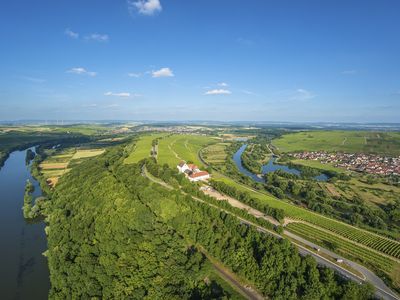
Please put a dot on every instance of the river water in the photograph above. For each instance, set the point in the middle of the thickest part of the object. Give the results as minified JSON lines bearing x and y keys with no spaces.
{"x":23,"y":269}
{"x":271,"y":166}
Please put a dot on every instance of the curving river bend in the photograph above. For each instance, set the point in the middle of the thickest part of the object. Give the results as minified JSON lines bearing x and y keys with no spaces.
{"x":23,"y":269}
{"x":271,"y":166}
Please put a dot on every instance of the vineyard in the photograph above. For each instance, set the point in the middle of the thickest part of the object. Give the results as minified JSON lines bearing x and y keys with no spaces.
{"x":175,"y":148}
{"x":344,"y":247}
{"x":369,"y":239}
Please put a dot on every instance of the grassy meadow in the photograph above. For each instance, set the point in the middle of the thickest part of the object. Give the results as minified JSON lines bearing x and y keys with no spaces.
{"x":173,"y":149}
{"x":142,"y":148}
{"x":386,"y":143}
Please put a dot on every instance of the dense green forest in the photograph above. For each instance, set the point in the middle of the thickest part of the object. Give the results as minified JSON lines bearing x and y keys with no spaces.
{"x":112,"y":234}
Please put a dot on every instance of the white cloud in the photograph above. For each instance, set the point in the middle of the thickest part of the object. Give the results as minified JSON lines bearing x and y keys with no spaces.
{"x":302,"y":94}
{"x":223,"y":84}
{"x":135,"y":75}
{"x":218,"y":92}
{"x":248,"y":92}
{"x":71,"y":34}
{"x":163,"y":72}
{"x":145,"y":7}
{"x":97,"y":37}
{"x":349,"y":72}
{"x":32,"y":79}
{"x":122,"y":95}
{"x":81,"y":71}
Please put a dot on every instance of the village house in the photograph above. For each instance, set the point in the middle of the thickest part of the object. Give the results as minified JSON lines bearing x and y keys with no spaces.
{"x":192,"y":172}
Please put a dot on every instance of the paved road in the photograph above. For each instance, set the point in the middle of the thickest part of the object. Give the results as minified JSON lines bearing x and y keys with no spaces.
{"x":382,"y":291}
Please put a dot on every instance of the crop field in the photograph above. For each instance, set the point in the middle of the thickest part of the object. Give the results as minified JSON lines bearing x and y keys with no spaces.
{"x":59,"y":163}
{"x":87,"y":153}
{"x":53,"y":166}
{"x":142,"y":148}
{"x":318,"y":165}
{"x":387,"y":143}
{"x":215,"y":154}
{"x":344,"y":247}
{"x":173,"y":149}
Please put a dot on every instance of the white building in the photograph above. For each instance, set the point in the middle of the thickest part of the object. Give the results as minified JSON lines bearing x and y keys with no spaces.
{"x":202,"y":175}
{"x":192,"y":172}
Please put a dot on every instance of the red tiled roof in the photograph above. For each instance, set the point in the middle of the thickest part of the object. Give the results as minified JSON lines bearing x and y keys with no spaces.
{"x":192,"y":166}
{"x":199,"y":174}
{"x":181,"y":164}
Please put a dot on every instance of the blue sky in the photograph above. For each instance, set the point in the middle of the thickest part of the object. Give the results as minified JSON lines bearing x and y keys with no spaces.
{"x":255,"y":60}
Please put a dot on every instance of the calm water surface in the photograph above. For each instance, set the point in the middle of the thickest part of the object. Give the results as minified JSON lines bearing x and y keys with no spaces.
{"x":271,"y":166}
{"x":23,"y":269}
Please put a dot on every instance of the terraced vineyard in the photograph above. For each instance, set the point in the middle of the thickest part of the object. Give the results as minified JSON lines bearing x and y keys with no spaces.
{"x":369,"y":239}
{"x":374,"y":241}
{"x":344,"y":247}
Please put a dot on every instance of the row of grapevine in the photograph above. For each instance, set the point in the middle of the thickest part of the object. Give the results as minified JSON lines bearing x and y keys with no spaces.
{"x":369,"y":239}
{"x":343,"y":247}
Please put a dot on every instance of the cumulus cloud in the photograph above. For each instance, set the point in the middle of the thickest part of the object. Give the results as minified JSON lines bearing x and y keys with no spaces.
{"x":98,"y":37}
{"x":71,"y":34}
{"x":223,"y":84}
{"x":135,"y":75}
{"x":163,"y":72}
{"x":247,"y":92}
{"x":302,"y":94}
{"x":218,"y":92}
{"x":81,"y":71}
{"x":122,"y":95}
{"x":145,"y":7}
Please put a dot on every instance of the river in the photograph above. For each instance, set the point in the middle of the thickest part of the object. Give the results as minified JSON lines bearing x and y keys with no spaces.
{"x":23,"y":269}
{"x":271,"y":166}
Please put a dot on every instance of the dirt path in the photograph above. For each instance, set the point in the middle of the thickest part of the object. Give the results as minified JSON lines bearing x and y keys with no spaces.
{"x":344,"y":141}
{"x":236,"y":203}
{"x":176,"y":154}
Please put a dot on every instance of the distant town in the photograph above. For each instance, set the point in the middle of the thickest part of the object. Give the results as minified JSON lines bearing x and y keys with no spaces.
{"x":360,"y":162}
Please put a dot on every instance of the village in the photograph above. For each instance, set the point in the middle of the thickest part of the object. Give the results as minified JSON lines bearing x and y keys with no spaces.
{"x":360,"y":162}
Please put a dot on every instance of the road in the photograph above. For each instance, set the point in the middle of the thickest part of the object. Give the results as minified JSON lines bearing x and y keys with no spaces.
{"x":382,"y":291}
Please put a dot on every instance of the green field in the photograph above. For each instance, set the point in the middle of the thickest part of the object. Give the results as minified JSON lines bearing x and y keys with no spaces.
{"x":318,"y":165}
{"x":173,"y":149}
{"x":374,"y":241}
{"x":387,"y":143}
{"x":344,"y":247}
{"x":142,"y":148}
{"x":215,"y":154}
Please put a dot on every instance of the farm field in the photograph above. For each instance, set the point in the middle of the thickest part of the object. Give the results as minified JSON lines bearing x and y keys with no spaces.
{"x":318,"y":165}
{"x":369,"y":254}
{"x":386,"y":143}
{"x":215,"y":154}
{"x":369,"y":239}
{"x":344,"y":247}
{"x":59,"y":163}
{"x":142,"y":148}
{"x":173,"y":149}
